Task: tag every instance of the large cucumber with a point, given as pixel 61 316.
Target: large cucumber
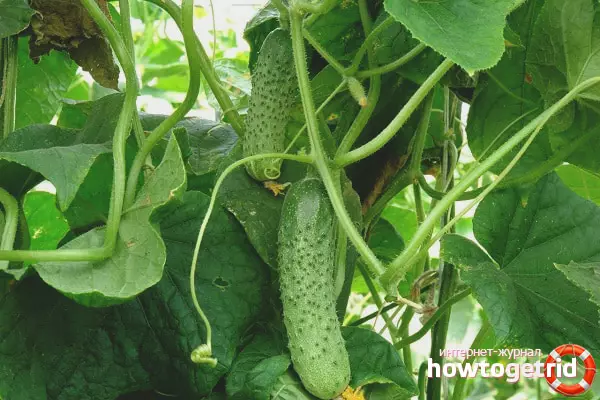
pixel 307 237
pixel 274 87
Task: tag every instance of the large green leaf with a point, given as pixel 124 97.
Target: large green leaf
pixel 528 301
pixel 585 276
pixel 374 360
pixel 53 349
pixel 584 183
pixel 505 102
pixel 52 152
pixel 231 283
pixel 138 260
pixel 469 32
pixel 14 16
pixel 564 52
pixel 41 86
pixel 565 48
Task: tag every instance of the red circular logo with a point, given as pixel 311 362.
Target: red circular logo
pixel 577 351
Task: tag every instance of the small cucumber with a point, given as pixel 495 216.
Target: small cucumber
pixel 274 88
pixel 307 243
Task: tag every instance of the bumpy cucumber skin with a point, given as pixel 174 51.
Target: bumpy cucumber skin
pixel 274 88
pixel 306 266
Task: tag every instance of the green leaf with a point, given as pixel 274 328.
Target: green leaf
pixel 14 16
pixel 256 208
pixel 258 28
pixel 565 48
pixel 51 151
pixel 374 360
pixel 505 102
pixel 340 30
pixel 139 253
pixel 210 141
pixel 289 387
pixel 474 45
pixel 55 349
pixel 46 224
pixel 584 183
pixel 231 283
pixel 586 277
pixel 41 86
pixel 257 369
pixel 527 300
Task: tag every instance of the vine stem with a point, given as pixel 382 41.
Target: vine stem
pixel 120 136
pixel 126 32
pixel 372 97
pixel 189 38
pixel 203 352
pixel 394 65
pixel 229 109
pixel 434 318
pixel 11 222
pixel 399 266
pixel 461 381
pixel 10 48
pixel 320 158
pixel 367 43
pixel 398 122
pixel 123 124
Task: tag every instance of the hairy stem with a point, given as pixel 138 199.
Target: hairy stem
pixel 398 122
pixel 434 318
pixel 400 265
pixel 320 158
pixel 189 37
pixel 10 49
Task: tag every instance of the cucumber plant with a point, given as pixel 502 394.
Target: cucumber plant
pixel 167 256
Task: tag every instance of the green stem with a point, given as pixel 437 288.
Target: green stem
pixel 437 195
pixel 323 52
pixel 398 266
pixel 398 122
pixel 123 126
pixel 367 44
pixel 189 37
pixel 322 8
pixel 319 110
pixel 434 318
pixel 11 222
pixel 420 138
pixel 461 381
pixel 377 300
pixel 320 158
pixel 422 380
pixel 229 109
pixel 127 35
pixel 341 252
pixel 394 65
pixel 10 47
pixel 203 353
pixel 373 315
pixel 372 97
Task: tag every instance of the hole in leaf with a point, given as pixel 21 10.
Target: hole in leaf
pixel 220 283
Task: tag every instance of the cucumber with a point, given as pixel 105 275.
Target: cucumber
pixel 274 93
pixel 307 242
